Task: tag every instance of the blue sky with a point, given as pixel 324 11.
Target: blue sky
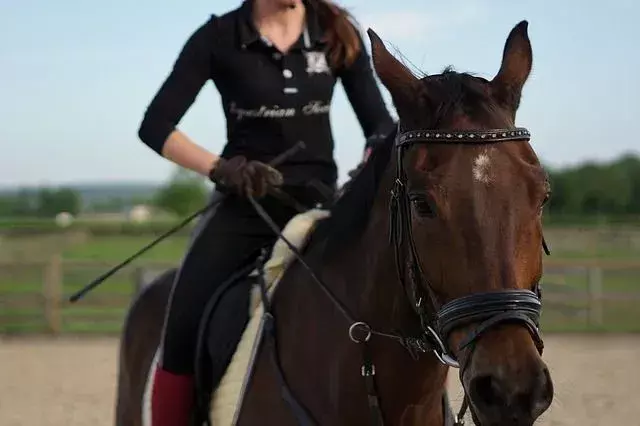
pixel 76 76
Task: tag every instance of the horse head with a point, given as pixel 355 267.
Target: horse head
pixel 467 204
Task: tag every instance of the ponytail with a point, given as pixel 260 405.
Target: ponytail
pixel 340 33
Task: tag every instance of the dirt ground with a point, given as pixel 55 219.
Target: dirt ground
pixel 71 382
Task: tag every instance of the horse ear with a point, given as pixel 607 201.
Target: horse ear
pixel 397 78
pixel 517 59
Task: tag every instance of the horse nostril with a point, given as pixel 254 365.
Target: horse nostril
pixel 543 395
pixel 485 390
pixel 513 399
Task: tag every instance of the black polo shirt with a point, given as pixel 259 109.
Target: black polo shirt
pixel 271 101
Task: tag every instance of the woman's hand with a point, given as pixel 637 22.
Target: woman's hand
pixel 245 177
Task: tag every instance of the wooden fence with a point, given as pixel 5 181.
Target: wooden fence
pixel 34 296
pixel 578 296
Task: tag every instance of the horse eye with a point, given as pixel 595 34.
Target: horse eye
pixel 422 204
pixel 546 199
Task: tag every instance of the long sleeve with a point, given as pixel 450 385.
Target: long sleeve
pixel 190 72
pixel 364 95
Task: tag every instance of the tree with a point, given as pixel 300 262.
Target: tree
pixel 50 202
pixel 629 166
pixel 597 188
pixel 184 193
pixel 21 203
pixel 110 205
pixel 7 206
pixel 24 203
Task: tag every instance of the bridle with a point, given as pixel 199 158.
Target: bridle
pixel 487 310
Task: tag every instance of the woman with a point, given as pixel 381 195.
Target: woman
pixel 275 64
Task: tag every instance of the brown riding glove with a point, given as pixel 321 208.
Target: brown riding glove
pixel 245 177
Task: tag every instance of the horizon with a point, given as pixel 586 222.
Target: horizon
pixel 167 178
pixel 78 85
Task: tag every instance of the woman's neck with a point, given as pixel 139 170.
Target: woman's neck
pixel 279 16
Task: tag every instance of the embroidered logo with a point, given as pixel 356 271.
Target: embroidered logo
pixel 314 107
pixel 274 111
pixel 316 63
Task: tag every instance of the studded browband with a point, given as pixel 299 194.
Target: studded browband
pixel 462 136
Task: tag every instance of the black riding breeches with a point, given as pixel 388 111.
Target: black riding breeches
pixel 225 240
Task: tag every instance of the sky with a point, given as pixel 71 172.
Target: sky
pixel 77 75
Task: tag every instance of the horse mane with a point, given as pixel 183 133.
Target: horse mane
pixel 350 213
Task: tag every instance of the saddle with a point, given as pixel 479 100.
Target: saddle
pixel 231 328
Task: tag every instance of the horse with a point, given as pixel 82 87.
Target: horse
pixel 431 259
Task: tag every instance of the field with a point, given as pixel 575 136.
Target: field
pixel 71 382
pixel 572 303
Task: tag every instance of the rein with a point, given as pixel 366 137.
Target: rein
pixel 487 309
pixel 368 368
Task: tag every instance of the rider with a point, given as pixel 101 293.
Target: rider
pixel 275 64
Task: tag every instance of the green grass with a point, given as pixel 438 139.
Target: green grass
pixel 79 246
pixel 117 248
pixel 35 226
pixel 597 253
pixel 102 311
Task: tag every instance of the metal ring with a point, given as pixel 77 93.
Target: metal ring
pixel 361 324
pixel 443 355
pixel 437 339
pixel 447 359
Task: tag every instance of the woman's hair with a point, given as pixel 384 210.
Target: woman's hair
pixel 340 33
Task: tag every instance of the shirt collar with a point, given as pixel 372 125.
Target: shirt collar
pixel 248 34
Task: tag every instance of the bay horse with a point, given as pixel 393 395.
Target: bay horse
pixel 430 260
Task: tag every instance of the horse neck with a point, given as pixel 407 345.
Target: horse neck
pixel 382 298
pixel 370 287
pixel 370 283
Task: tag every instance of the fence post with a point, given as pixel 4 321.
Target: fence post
pixel 594 281
pixel 52 291
pixel 138 280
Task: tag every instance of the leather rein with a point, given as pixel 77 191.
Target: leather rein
pixel 486 310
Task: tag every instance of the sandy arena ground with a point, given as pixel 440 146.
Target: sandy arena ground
pixel 68 382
